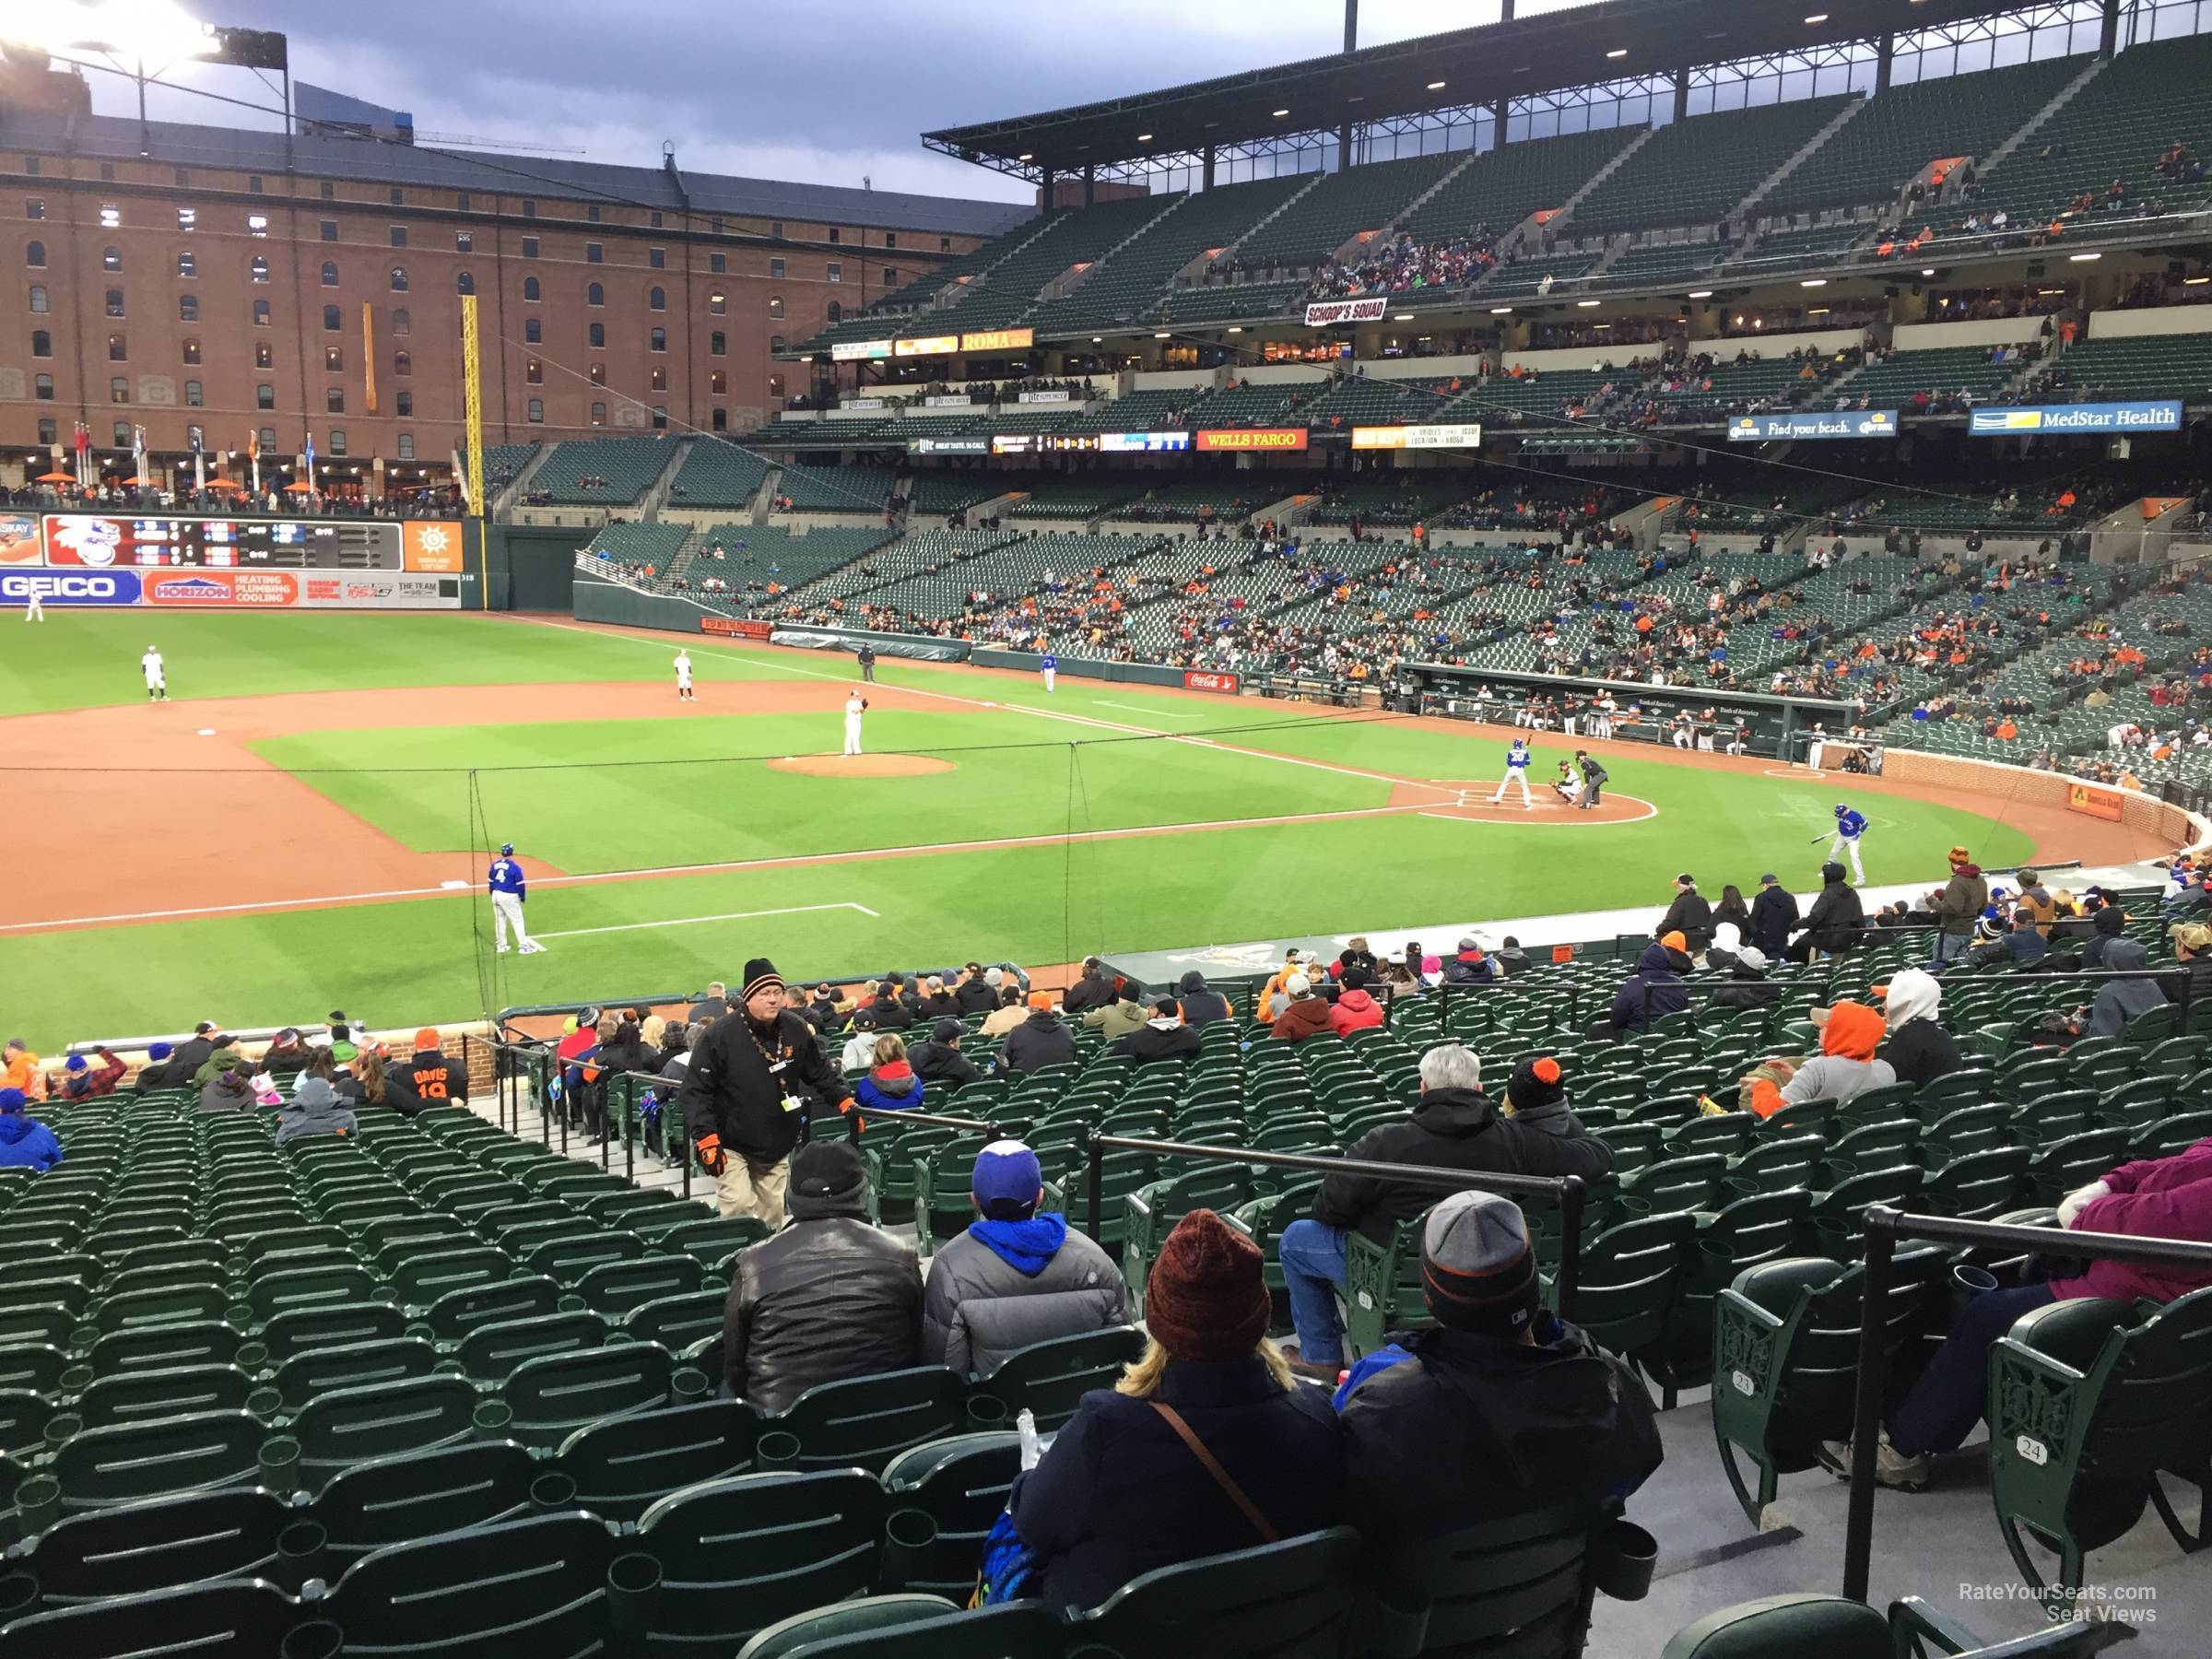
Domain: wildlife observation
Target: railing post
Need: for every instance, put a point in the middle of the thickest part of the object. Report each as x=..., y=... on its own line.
x=1569, y=1280
x=1867, y=1414
x=630, y=1128
x=1094, y=1150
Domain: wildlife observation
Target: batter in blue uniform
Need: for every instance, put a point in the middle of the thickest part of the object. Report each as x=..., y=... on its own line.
x=1850, y=826
x=1516, y=771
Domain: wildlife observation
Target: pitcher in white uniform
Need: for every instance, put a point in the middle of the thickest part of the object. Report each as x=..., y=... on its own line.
x=855, y=706
x=683, y=677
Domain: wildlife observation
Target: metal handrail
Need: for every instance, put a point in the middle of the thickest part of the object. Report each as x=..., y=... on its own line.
x=1569, y=1189
x=1885, y=1227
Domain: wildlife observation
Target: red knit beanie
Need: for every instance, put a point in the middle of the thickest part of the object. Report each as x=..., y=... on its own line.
x=1206, y=1297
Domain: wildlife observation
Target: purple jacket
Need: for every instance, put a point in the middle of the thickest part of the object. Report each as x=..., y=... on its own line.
x=2154, y=1197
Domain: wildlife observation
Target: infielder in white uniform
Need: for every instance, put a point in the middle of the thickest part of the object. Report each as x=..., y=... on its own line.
x=855, y=705
x=157, y=676
x=683, y=677
x=1516, y=771
x=508, y=891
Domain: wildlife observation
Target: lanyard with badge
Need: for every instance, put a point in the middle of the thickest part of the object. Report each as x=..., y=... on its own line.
x=791, y=1101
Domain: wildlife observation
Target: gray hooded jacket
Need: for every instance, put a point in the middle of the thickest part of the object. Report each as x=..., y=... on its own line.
x=314, y=1109
x=978, y=1307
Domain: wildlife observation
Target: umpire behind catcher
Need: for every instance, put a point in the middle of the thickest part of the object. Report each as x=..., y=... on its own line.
x=755, y=1076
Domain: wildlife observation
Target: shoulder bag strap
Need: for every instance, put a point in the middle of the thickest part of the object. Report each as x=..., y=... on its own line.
x=1212, y=1466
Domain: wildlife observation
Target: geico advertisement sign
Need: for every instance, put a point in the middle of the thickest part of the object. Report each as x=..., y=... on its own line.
x=70, y=587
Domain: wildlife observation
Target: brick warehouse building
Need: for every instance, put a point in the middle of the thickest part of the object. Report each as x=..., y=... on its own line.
x=242, y=282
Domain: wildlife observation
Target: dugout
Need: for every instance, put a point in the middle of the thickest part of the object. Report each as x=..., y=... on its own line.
x=1780, y=725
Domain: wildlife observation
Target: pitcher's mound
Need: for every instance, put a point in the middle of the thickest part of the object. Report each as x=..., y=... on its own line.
x=860, y=766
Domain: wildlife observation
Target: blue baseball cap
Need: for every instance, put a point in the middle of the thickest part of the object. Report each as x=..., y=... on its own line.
x=159, y=1051
x=1007, y=1180
x=76, y=1062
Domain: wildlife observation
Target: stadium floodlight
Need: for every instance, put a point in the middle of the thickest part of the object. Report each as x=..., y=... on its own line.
x=1585, y=304
x=1501, y=311
x=1929, y=271
x=1436, y=86
x=1024, y=155
x=1403, y=317
x=1235, y=328
x=147, y=31
x=1816, y=17
x=1279, y=114
x=2195, y=281
x=1163, y=335
x=1701, y=293
x=1618, y=51
x=1814, y=282
x=1143, y=137
x=2084, y=258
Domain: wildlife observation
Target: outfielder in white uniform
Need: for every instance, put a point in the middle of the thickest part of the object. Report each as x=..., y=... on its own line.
x=855, y=705
x=156, y=675
x=507, y=895
x=34, y=608
x=1516, y=771
x=683, y=677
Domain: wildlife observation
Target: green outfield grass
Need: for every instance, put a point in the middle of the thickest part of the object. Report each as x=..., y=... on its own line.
x=589, y=800
x=1015, y=775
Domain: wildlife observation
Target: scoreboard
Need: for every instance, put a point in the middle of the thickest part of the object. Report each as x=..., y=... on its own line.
x=225, y=544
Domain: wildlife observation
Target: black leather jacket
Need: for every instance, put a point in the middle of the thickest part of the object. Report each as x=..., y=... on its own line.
x=827, y=1297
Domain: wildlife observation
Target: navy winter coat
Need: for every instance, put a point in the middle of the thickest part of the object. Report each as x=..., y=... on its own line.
x=1654, y=990
x=1120, y=1494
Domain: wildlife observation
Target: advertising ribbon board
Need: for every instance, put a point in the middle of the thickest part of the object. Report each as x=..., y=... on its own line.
x=1801, y=424
x=2161, y=415
x=1249, y=439
x=1325, y=313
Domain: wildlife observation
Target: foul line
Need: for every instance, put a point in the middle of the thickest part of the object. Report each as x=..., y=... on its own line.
x=796, y=910
x=779, y=861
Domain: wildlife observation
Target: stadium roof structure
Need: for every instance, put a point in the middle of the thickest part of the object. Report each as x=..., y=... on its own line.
x=330, y=155
x=1579, y=46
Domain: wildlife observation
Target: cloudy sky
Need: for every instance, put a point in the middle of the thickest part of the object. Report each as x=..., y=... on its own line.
x=826, y=94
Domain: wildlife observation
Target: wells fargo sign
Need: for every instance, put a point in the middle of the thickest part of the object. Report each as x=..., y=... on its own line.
x=1254, y=437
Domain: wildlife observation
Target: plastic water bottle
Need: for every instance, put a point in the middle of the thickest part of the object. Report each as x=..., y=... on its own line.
x=1032, y=1449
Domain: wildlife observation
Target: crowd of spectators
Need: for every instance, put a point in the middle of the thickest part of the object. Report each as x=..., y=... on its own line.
x=1406, y=266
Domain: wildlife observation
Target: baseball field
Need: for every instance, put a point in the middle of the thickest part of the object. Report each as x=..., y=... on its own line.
x=306, y=823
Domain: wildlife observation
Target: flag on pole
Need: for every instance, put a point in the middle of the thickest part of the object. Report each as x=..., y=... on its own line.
x=199, y=464
x=84, y=456
x=253, y=459
x=138, y=454
x=462, y=478
x=310, y=479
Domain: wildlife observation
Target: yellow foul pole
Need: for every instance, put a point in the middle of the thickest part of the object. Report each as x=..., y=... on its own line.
x=472, y=388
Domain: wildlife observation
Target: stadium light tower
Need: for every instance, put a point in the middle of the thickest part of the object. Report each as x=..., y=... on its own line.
x=132, y=34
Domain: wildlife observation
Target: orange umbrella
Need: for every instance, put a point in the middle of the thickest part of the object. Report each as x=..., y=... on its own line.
x=298, y=490
x=57, y=478
x=225, y=484
x=135, y=478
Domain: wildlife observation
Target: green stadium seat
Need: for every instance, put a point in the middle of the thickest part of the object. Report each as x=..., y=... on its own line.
x=2087, y=1410
x=735, y=1555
